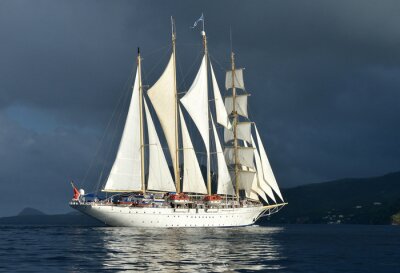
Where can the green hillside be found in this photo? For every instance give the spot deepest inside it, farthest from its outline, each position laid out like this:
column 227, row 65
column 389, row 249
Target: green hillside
column 373, row 200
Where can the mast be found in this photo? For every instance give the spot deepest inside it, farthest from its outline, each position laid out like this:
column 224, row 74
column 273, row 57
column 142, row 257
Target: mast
column 139, row 61
column 235, row 118
column 203, row 33
column 177, row 169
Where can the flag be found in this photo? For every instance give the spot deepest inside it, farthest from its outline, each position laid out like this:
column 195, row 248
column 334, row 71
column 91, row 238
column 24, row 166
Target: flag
column 76, row 192
column 200, row 19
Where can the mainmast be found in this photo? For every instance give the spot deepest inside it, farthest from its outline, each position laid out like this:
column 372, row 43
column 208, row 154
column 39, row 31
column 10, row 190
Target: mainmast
column 177, row 169
column 235, row 120
column 203, row 33
column 139, row 61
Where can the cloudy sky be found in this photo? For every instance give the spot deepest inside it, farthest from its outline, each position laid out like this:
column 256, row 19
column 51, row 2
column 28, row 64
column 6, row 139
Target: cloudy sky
column 324, row 78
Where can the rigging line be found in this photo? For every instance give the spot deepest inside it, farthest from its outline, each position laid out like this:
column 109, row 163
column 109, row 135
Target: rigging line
column 100, row 143
column 190, row 44
column 113, row 136
column 124, row 102
column 146, row 75
column 230, row 37
column 181, row 72
column 191, row 67
column 216, row 61
column 167, row 45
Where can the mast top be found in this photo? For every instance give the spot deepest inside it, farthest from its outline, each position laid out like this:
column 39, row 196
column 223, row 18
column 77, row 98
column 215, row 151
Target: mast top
column 173, row 30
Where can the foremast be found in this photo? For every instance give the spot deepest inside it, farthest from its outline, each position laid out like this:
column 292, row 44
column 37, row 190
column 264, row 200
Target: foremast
column 235, row 119
column 240, row 156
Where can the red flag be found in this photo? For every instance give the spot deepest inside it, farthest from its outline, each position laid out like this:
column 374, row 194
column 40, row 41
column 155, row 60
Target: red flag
column 76, row 192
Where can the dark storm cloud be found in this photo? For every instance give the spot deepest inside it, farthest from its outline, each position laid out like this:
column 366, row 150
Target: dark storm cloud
column 324, row 78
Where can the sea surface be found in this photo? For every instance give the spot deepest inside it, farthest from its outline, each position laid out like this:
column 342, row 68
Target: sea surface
column 291, row 248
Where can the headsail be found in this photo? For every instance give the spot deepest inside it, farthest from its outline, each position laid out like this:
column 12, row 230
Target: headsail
column 125, row 173
column 160, row 178
column 261, row 183
column 255, row 189
column 267, row 170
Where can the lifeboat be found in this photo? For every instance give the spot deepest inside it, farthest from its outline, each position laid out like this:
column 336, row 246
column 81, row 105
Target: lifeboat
column 180, row 198
column 212, row 199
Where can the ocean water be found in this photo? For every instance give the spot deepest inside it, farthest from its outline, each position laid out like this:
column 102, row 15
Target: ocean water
column 291, row 248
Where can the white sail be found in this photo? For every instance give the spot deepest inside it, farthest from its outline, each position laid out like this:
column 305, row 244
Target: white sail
column 253, row 192
column 222, row 115
column 265, row 188
column 126, row 171
column 267, row 170
column 192, row 178
column 196, row 103
column 244, row 155
column 240, row 105
column 255, row 188
column 239, row 83
column 163, row 98
column 245, row 178
column 224, row 179
column 160, row 178
column 243, row 132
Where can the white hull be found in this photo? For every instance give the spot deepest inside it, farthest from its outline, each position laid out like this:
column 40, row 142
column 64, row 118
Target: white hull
column 172, row 217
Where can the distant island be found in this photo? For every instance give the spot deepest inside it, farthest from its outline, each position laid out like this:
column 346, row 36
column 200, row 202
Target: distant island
column 374, row 200
column 34, row 217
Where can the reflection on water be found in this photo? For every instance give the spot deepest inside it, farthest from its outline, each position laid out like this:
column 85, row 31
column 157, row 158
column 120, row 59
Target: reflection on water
column 191, row 250
column 287, row 249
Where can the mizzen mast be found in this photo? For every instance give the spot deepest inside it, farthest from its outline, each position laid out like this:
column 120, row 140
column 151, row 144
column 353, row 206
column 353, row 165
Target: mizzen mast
column 142, row 174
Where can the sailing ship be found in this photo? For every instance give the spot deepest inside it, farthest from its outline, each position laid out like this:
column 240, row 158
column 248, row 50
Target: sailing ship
column 146, row 194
